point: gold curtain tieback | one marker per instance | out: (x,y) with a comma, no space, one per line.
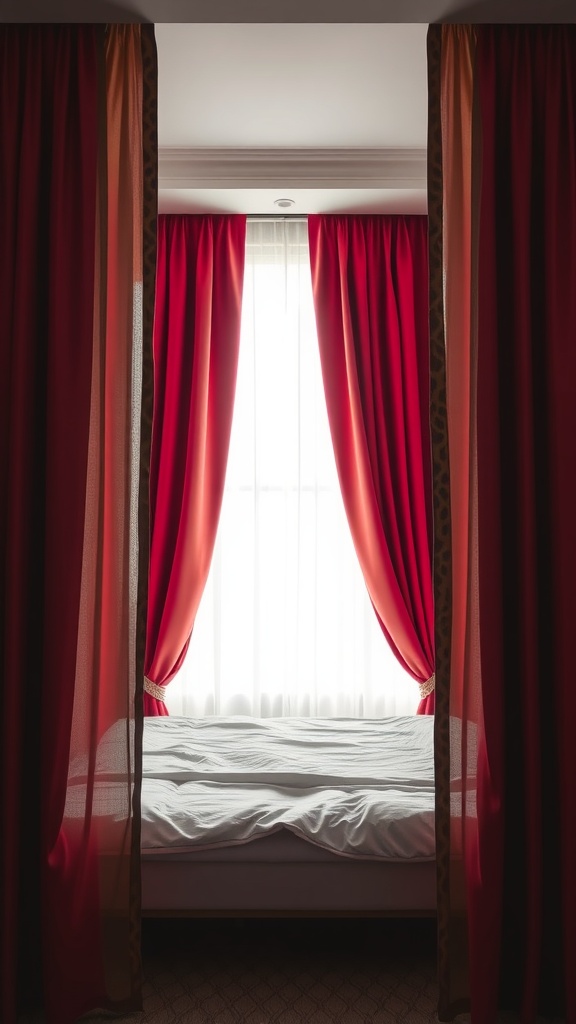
(154,690)
(427,687)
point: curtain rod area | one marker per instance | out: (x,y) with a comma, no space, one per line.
(273,218)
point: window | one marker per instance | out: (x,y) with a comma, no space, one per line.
(285,626)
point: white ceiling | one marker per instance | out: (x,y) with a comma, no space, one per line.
(292,85)
(322,101)
(291,94)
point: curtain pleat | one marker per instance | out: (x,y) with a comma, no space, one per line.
(196,339)
(71,227)
(370,281)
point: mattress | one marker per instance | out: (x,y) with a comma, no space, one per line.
(360,789)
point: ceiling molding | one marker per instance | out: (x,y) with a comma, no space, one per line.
(291,168)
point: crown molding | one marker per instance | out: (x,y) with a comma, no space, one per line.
(239,168)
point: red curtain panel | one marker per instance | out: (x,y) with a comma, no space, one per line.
(370,282)
(47,235)
(526,83)
(68,877)
(502,161)
(196,339)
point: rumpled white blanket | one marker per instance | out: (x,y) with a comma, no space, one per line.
(359,788)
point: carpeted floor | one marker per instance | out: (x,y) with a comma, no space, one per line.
(291,971)
(287,972)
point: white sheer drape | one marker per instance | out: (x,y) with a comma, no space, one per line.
(285,626)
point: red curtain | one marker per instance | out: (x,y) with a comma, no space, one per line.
(196,340)
(370,282)
(68,871)
(526,82)
(504,112)
(47,234)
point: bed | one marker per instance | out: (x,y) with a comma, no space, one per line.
(287,817)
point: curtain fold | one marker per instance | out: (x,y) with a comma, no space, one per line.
(71,175)
(511,421)
(370,282)
(196,338)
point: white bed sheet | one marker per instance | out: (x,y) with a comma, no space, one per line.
(358,788)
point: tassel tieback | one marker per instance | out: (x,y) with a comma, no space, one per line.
(427,687)
(154,690)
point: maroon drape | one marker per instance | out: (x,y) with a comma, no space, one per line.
(370,281)
(526,86)
(71,296)
(196,340)
(47,239)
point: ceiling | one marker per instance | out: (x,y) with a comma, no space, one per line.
(332,116)
(288,11)
(319,101)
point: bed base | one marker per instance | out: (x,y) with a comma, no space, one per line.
(284,876)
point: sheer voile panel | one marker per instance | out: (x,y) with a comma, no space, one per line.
(71,199)
(285,626)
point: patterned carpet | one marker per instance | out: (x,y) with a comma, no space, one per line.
(214,971)
(289,972)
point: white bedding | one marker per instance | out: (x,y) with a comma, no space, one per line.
(359,788)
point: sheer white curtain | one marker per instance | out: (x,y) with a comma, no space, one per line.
(285,626)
